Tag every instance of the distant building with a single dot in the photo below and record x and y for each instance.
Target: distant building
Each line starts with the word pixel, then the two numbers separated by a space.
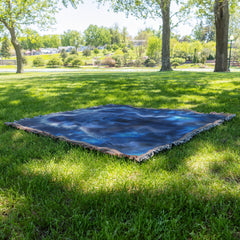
pixel 67 48
pixel 48 50
pixel 82 48
pixel 137 43
pixel 33 52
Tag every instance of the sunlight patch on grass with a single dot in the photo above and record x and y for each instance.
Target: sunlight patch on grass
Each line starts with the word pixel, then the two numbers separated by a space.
pixel 15 102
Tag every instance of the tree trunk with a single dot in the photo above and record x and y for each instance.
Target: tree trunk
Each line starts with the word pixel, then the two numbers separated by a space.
pixel 221 12
pixel 165 8
pixel 17 48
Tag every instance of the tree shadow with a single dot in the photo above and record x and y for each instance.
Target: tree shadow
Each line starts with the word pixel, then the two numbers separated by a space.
pixel 51 209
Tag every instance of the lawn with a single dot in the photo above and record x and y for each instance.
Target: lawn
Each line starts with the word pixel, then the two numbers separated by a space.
pixel 52 190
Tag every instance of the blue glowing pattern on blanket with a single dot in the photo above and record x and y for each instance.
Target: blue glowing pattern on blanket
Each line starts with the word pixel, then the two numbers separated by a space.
pixel 132 131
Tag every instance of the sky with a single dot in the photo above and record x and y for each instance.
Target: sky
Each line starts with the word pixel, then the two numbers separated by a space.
pixel 88 13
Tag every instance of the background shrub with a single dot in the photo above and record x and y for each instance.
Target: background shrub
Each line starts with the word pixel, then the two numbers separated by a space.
pixel 109 61
pixel 68 60
pixel 150 62
pixel 76 62
pixel 109 48
pixel 178 60
pixel 138 62
pixel 54 62
pixel 63 54
pixel 38 62
pixel 105 51
pixel 96 50
pixel 74 51
pixel 119 60
pixel 115 46
pixel 125 50
pixel 86 52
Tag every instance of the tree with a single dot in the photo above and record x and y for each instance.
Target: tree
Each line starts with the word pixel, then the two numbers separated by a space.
pixel 5 49
pixel 124 35
pixel 144 9
pixel 97 36
pixel 205 32
pixel 31 41
pixel 154 48
pixel 144 35
pixel 72 38
pixel 15 15
pixel 115 35
pixel 50 41
pixel 221 10
pixel 234 25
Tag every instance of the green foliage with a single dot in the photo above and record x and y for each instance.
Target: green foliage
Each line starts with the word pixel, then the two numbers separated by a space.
pixel 97 36
pixel 71 38
pixel 125 50
pixel 86 52
pixel 154 48
pixel 96 50
pixel 38 62
pixel 150 62
pixel 178 60
pixel 118 52
pixel 145 35
pixel 126 59
pixel 77 62
pixel 119 60
pixel 192 50
pixel 31 40
pixel 63 54
pixel 205 33
pixel 124 35
pixel 68 60
pixel 138 62
pixel 73 61
pixel 5 49
pixel 105 51
pixel 74 51
pixel 17 14
pixel 115 35
pixel 140 51
pixel 115 47
pixel 51 41
pixel 234 25
pixel 109 47
pixel 54 62
pixel 195 57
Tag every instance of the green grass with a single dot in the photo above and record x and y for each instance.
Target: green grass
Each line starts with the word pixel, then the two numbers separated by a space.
pixel 52 190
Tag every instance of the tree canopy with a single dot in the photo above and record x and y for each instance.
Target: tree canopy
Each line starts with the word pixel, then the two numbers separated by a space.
pixel 97 36
pixel 5 49
pixel 71 38
pixel 145 9
pixel 17 15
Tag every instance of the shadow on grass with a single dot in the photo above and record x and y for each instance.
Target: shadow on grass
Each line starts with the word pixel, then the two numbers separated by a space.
pixel 109 198
pixel 45 204
pixel 46 208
